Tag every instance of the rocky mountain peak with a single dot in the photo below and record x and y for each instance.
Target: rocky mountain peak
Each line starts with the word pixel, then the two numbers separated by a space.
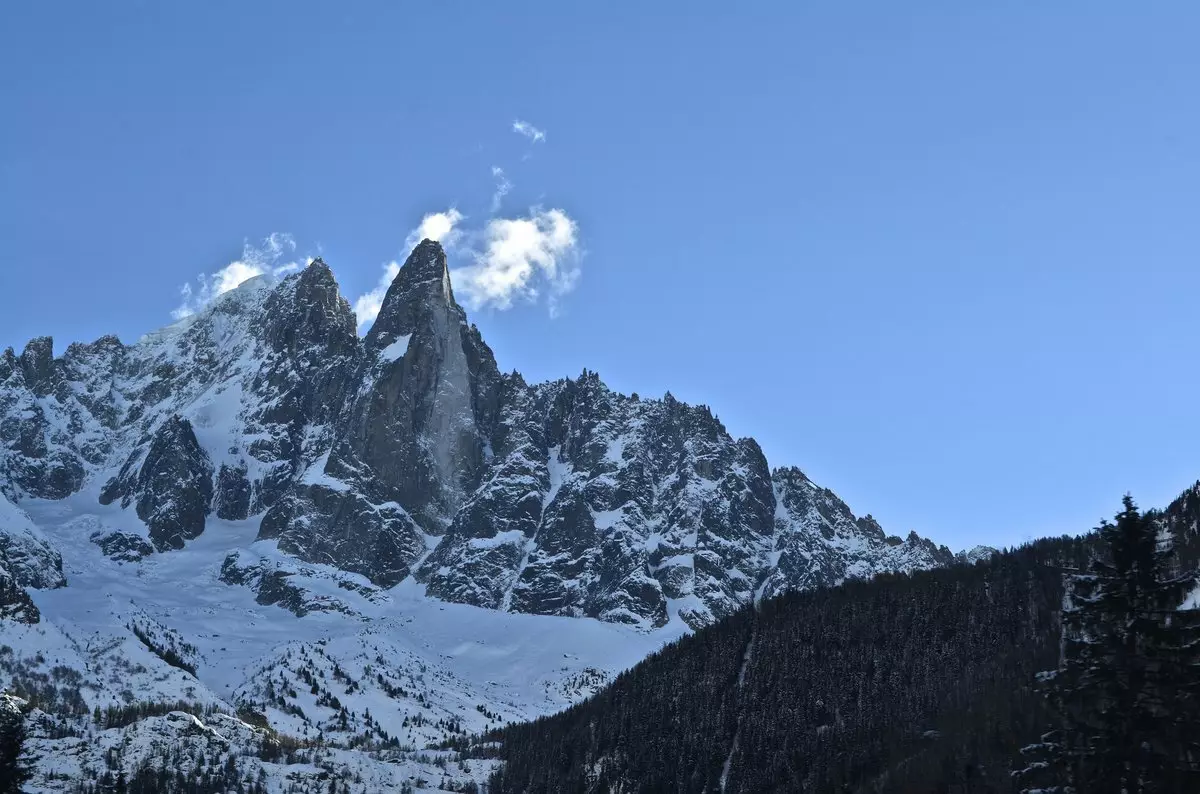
pixel 307 314
pixel 9 363
pixel 37 364
pixel 419 298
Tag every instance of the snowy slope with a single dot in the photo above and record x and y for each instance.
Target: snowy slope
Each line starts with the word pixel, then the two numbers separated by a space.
pixel 407 666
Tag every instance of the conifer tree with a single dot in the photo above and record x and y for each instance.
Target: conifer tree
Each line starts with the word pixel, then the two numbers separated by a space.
pixel 1127 688
pixel 13 771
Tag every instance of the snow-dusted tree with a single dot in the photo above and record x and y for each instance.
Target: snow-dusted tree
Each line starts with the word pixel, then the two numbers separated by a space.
pixel 14 772
pixel 1127 689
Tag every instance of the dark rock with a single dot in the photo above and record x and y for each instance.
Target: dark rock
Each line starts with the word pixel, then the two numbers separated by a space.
pixel 122 546
pixel 174 486
pixel 232 499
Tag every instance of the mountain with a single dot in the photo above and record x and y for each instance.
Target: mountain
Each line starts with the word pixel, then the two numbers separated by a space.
pixel 408 453
pixel 370 545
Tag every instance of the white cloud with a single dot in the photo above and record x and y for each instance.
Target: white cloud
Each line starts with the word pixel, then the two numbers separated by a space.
pixel 438 226
pixel 521 257
pixel 529 131
pixel 265 259
pixel 503 186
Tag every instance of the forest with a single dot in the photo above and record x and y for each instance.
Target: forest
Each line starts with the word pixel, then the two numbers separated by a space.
pixel 947 680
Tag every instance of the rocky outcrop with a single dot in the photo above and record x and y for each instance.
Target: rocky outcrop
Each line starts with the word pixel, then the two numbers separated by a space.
pixel 26 556
pixel 122 546
pixel 608 506
pixel 173 487
pixel 44 441
pixel 26 560
pixel 976 554
pixel 820 542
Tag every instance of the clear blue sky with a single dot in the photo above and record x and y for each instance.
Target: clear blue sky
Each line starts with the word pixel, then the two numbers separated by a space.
pixel 945 257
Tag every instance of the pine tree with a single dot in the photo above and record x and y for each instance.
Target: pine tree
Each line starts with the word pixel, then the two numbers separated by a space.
pixel 13 772
pixel 1126 690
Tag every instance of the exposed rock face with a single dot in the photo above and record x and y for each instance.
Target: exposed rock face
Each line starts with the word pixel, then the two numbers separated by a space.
pixel 46 439
pixel 411 443
pixel 607 506
pixel 26 557
pixel 26 560
pixel 122 546
pixel 293 585
pixel 408 453
pixel 258 376
pixel 976 554
pixel 172 490
pixel 821 543
pixel 628 510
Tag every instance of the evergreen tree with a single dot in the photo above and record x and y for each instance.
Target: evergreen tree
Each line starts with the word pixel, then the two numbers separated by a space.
pixel 13 772
pixel 1126 691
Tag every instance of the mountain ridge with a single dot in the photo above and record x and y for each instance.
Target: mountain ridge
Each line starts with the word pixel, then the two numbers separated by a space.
pixel 406 452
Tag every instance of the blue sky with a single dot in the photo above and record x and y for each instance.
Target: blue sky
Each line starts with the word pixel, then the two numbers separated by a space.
pixel 945 257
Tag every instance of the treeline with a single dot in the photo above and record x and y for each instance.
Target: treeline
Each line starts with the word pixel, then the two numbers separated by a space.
pixel 921 683
pixel 165 652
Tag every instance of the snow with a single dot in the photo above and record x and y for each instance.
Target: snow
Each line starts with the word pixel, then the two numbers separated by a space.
pixel 315 475
pixel 607 519
pixel 457 657
pixel 558 471
pixel 396 350
pixel 499 539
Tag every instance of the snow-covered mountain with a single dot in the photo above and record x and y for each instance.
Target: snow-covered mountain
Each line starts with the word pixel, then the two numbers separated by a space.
pixel 408 504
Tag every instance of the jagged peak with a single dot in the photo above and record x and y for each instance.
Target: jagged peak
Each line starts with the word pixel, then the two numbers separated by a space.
pixel 317 279
pixel 40 347
pixel 318 272
pixel 306 312
pixel 425 266
pixel 106 343
pixel 791 475
pixel 37 363
pixel 176 425
pixel 9 363
pixel 422 284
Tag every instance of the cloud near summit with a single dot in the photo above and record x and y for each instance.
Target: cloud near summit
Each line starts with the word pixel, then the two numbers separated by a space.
pixel 522 259
pixel 508 260
pixel 256 260
pixel 439 226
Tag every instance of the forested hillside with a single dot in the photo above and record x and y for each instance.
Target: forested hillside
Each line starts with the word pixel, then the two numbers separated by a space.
pixel 922 683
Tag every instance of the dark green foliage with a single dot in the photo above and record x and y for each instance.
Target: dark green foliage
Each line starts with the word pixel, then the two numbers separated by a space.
pixel 165 652
pixel 904 683
pixel 121 716
pixel 156 776
pixel 1127 689
pixel 14 772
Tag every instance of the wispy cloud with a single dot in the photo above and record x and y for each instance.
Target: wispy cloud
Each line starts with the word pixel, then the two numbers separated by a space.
pixel 529 131
pixel 503 186
pixel 439 226
pixel 522 258
pixel 269 258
